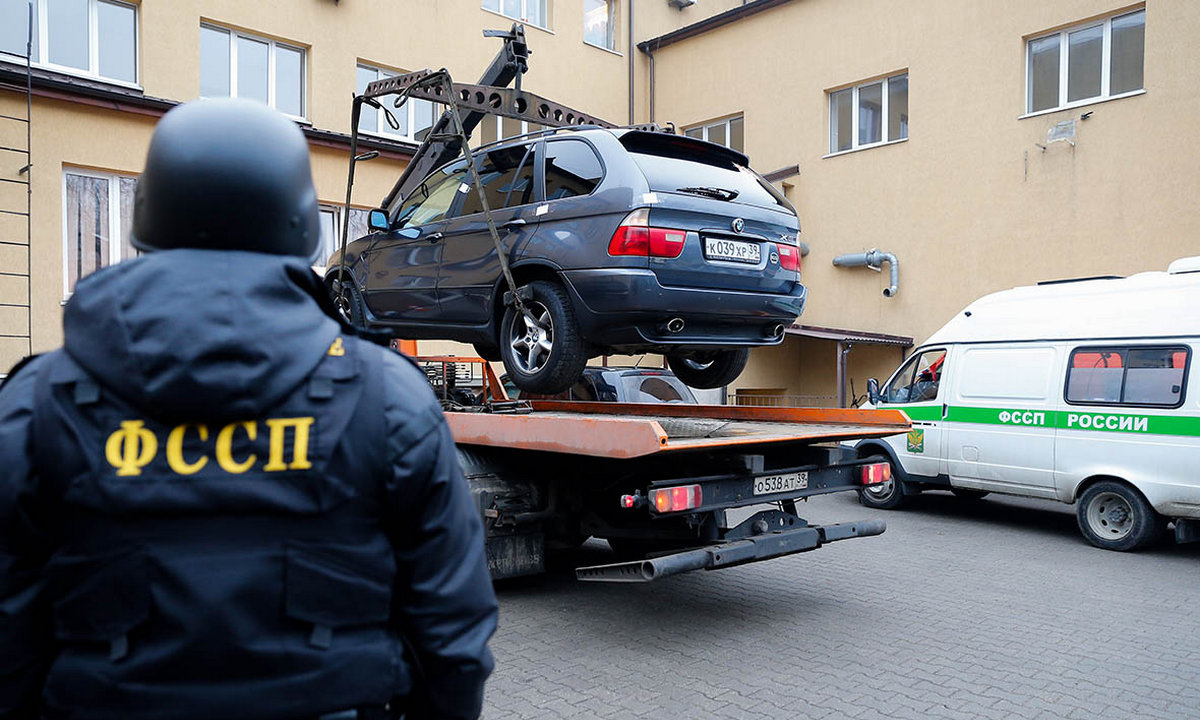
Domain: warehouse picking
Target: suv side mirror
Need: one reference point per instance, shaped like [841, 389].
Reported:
[378, 220]
[873, 391]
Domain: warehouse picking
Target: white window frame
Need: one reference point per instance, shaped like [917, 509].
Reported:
[1064, 65]
[409, 107]
[612, 28]
[854, 113]
[93, 71]
[272, 44]
[524, 12]
[114, 219]
[500, 137]
[706, 126]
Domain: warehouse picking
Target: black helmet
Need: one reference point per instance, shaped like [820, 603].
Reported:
[227, 175]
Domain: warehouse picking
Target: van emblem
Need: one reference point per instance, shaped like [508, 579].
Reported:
[738, 225]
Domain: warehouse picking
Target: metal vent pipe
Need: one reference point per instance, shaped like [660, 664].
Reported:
[873, 259]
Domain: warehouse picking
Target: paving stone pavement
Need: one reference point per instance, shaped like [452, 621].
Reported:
[991, 609]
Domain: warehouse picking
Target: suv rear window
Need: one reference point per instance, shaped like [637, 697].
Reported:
[671, 163]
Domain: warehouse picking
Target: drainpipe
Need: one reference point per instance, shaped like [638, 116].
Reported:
[651, 54]
[873, 259]
[629, 9]
[843, 349]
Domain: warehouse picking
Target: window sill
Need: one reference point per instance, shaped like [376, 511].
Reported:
[72, 72]
[872, 146]
[388, 136]
[601, 47]
[526, 23]
[1082, 103]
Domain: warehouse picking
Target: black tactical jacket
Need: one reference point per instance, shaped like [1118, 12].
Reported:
[217, 503]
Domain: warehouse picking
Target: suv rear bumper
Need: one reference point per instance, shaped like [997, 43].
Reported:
[611, 305]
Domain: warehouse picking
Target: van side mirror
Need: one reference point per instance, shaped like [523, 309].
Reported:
[873, 391]
[378, 220]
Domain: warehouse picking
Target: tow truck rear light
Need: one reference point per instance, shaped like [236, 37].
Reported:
[675, 499]
[876, 473]
[634, 236]
[789, 257]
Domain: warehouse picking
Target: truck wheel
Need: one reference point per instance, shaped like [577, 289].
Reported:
[543, 354]
[706, 370]
[349, 301]
[968, 493]
[1114, 516]
[884, 496]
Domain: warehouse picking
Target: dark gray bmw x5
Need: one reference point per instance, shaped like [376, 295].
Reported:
[627, 241]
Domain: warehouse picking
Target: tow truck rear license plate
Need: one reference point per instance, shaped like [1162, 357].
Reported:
[731, 250]
[771, 484]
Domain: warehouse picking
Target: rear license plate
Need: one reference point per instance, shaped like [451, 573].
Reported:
[731, 250]
[771, 484]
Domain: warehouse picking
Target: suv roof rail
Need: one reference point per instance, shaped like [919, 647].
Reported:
[644, 127]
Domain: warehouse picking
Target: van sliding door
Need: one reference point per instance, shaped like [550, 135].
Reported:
[1000, 420]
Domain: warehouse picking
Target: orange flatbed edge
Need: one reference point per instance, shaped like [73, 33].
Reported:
[626, 430]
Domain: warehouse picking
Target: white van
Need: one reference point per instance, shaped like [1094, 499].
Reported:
[1077, 391]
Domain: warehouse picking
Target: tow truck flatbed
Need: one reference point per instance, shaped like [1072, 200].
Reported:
[627, 430]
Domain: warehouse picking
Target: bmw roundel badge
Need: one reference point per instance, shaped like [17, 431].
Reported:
[738, 225]
[774, 258]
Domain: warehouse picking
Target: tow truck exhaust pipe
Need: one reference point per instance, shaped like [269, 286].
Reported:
[738, 552]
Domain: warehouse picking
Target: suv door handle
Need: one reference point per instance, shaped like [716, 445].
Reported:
[434, 236]
[514, 224]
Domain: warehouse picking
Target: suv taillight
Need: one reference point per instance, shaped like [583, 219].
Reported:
[789, 257]
[635, 237]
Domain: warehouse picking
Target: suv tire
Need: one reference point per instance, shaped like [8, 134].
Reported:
[348, 301]
[548, 356]
[1114, 516]
[706, 370]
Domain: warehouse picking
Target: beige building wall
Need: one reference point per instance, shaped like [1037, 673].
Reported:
[970, 203]
[69, 133]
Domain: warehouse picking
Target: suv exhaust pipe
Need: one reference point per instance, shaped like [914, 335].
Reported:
[673, 326]
[776, 331]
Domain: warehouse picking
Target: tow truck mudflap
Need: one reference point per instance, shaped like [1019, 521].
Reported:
[737, 552]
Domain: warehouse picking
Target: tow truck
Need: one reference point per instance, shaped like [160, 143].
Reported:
[656, 481]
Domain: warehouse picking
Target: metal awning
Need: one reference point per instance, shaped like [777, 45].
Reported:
[849, 336]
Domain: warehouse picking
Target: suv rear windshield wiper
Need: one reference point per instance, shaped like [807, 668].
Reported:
[712, 192]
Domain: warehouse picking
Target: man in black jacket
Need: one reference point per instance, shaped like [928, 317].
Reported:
[216, 501]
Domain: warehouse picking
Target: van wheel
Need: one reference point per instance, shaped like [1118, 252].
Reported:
[1114, 516]
[707, 370]
[884, 496]
[968, 493]
[543, 353]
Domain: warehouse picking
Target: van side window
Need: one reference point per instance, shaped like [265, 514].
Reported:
[1127, 375]
[918, 380]
[572, 168]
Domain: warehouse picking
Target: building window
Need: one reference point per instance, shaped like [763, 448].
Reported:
[1086, 63]
[869, 114]
[415, 117]
[97, 38]
[728, 132]
[233, 64]
[331, 230]
[97, 217]
[527, 11]
[599, 20]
